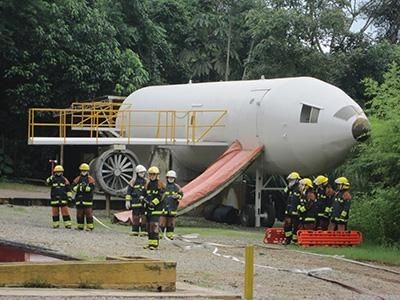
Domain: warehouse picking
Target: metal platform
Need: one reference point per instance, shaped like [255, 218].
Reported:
[109, 124]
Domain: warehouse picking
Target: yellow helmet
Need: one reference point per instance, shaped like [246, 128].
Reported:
[306, 182]
[84, 167]
[58, 168]
[320, 180]
[293, 176]
[343, 181]
[153, 170]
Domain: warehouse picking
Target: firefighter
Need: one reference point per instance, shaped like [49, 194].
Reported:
[291, 221]
[324, 193]
[341, 205]
[134, 200]
[83, 186]
[153, 205]
[172, 195]
[60, 195]
[307, 208]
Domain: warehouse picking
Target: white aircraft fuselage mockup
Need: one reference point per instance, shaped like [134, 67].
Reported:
[305, 124]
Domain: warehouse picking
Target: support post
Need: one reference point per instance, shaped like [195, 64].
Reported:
[108, 200]
[249, 272]
[62, 155]
[259, 186]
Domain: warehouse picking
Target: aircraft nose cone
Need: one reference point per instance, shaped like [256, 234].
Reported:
[361, 129]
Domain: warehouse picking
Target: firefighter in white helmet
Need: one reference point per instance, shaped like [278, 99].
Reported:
[172, 195]
[134, 201]
[83, 186]
[154, 196]
[60, 195]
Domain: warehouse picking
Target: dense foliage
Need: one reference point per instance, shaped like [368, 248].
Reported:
[374, 165]
[55, 52]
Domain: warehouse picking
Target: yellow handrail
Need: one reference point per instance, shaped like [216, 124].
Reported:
[194, 126]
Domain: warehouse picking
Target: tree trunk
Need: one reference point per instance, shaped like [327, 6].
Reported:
[228, 52]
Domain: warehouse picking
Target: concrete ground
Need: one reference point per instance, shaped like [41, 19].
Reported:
[183, 291]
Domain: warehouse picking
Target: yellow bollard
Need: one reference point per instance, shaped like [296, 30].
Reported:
[249, 272]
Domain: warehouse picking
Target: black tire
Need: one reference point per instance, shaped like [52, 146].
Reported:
[226, 214]
[248, 216]
[208, 211]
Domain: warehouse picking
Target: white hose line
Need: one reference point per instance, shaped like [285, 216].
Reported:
[214, 247]
[311, 272]
[340, 257]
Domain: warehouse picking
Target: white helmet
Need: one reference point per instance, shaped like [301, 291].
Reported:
[140, 168]
[171, 173]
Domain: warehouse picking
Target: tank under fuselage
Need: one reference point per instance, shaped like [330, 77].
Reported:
[304, 124]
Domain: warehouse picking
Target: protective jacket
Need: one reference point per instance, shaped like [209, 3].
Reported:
[60, 190]
[172, 195]
[84, 188]
[137, 192]
[308, 207]
[154, 196]
[324, 203]
[341, 206]
[293, 201]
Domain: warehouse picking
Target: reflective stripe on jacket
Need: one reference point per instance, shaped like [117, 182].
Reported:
[154, 196]
[84, 188]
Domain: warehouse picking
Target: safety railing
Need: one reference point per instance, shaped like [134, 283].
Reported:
[190, 125]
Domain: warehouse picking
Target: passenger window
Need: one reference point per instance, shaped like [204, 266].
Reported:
[309, 114]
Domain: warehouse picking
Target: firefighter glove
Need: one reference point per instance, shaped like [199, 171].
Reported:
[128, 204]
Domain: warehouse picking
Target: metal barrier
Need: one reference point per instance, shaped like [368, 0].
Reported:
[100, 120]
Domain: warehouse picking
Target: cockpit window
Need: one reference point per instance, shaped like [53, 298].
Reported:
[346, 112]
[309, 114]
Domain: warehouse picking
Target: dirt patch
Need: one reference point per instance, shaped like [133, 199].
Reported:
[199, 264]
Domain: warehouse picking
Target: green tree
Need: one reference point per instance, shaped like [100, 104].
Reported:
[385, 16]
[51, 54]
[374, 165]
[216, 47]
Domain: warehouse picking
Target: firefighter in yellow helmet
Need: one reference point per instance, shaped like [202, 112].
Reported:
[172, 195]
[83, 186]
[341, 205]
[291, 221]
[307, 208]
[153, 203]
[324, 192]
[60, 195]
[134, 200]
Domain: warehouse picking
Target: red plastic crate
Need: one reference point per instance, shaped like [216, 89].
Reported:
[274, 236]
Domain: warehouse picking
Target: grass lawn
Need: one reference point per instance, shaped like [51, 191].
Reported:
[365, 252]
[23, 186]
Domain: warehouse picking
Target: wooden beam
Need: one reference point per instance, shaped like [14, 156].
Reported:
[149, 275]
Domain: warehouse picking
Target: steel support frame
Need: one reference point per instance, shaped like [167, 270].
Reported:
[263, 186]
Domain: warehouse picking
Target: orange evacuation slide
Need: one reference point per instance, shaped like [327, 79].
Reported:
[226, 169]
